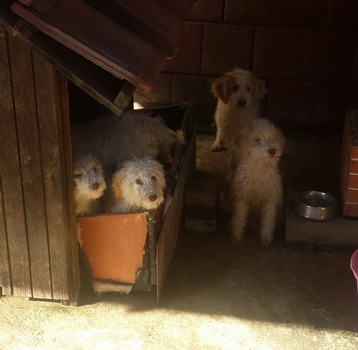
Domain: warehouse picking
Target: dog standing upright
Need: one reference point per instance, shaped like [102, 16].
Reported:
[257, 180]
[238, 94]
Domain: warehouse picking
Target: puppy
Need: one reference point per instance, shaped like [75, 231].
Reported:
[257, 181]
[89, 185]
[238, 94]
[138, 185]
[115, 139]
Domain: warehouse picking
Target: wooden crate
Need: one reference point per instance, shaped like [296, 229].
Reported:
[349, 167]
[128, 251]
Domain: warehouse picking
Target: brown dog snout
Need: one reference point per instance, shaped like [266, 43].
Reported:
[272, 151]
[95, 186]
[153, 197]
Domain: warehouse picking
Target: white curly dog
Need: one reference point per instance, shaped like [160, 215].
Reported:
[257, 180]
[89, 185]
[137, 185]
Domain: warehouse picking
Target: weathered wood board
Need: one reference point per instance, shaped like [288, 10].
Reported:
[37, 228]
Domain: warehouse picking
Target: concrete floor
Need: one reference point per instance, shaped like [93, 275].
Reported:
[216, 296]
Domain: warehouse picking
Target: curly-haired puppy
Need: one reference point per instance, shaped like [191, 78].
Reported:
[89, 184]
[257, 181]
[138, 185]
[115, 139]
[238, 94]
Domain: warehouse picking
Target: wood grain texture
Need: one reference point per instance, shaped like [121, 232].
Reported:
[41, 6]
[106, 43]
[50, 142]
[69, 217]
[147, 19]
[95, 81]
[5, 271]
[10, 169]
[31, 168]
[39, 256]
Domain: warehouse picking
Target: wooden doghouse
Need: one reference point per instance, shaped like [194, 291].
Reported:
[38, 245]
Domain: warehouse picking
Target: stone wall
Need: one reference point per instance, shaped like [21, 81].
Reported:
[305, 50]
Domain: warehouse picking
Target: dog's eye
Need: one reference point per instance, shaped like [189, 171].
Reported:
[258, 140]
[248, 88]
[235, 88]
[77, 174]
[154, 179]
[139, 182]
[94, 169]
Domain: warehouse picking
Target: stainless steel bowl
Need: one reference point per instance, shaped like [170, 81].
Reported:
[315, 205]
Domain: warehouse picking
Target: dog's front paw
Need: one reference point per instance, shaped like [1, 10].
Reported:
[217, 148]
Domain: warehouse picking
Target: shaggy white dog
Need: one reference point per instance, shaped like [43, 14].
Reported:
[138, 185]
[238, 95]
[89, 185]
[257, 181]
[114, 139]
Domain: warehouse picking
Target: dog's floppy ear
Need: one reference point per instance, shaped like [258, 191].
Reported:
[222, 87]
[117, 180]
[259, 89]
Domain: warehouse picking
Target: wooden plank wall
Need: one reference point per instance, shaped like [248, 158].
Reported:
[38, 245]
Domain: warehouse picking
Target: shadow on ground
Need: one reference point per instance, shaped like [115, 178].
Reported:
[280, 284]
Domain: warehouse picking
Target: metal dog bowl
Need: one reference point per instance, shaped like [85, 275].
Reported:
[315, 205]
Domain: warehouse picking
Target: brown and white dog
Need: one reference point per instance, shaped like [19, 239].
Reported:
[238, 95]
[137, 185]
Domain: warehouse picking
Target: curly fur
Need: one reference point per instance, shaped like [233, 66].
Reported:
[115, 139]
[238, 95]
[138, 185]
[89, 184]
[257, 180]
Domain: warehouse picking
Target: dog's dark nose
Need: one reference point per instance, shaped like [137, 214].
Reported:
[241, 102]
[153, 197]
[95, 186]
[272, 151]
